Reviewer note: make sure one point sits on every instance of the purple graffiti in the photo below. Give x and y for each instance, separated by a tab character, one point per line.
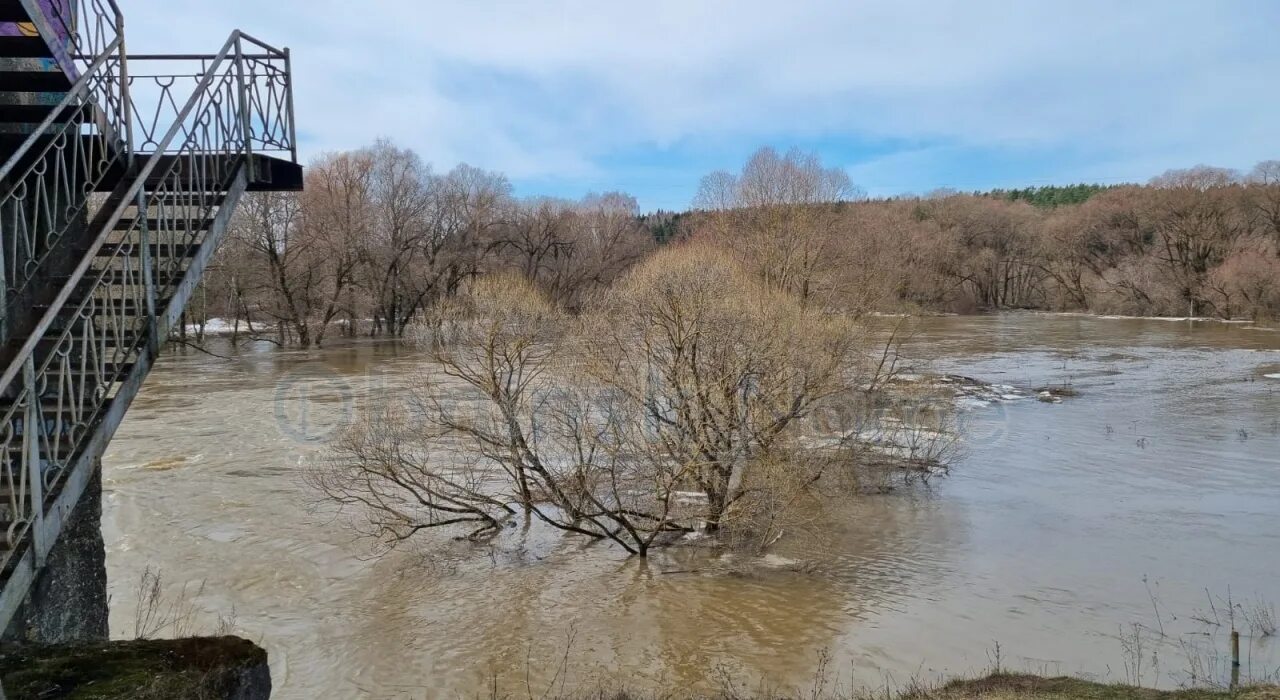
57	13
60	18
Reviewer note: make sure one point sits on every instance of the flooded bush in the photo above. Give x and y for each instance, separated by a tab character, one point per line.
690	398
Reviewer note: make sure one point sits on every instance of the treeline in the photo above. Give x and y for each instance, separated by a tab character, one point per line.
1202	241
378	237
1052	195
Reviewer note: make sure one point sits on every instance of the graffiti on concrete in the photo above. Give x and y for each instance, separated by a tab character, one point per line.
57	12
59	16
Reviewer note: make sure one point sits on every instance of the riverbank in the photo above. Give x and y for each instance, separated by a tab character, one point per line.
221	327
1004	686
232	668
203	668
1248	323
998	686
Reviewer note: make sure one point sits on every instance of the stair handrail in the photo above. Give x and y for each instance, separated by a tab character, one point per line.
270	100
94	34
31	477
52	140
138	182
88	40
71	99
65	20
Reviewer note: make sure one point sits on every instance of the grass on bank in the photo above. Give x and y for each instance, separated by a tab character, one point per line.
187	669
1003	686
998	686
212	669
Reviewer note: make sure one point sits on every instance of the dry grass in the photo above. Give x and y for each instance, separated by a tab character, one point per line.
1019	687
199	669
998	686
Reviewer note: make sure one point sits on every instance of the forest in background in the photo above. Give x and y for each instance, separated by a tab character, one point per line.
378	237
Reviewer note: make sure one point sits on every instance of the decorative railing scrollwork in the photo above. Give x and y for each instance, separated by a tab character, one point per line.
46	182
79	31
155	80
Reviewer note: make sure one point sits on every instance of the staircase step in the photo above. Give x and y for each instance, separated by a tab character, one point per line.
174	202
91	282
130	339
13	11
127	307
191	172
109	369
34	81
62	442
113	372
51	408
24	47
120	277
201	199
157	249
48	409
66	449
36	113
102	321
65	442
180	224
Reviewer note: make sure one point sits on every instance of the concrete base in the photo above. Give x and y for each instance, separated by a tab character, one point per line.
68	603
216	668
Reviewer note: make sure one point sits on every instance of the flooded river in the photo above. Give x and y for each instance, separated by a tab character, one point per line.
1137	507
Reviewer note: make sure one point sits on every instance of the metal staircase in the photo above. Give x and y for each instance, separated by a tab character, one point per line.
120	174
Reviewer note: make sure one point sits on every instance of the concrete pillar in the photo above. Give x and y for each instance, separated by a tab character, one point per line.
68	603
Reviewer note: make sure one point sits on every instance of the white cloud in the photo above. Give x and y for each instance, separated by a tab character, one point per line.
546	89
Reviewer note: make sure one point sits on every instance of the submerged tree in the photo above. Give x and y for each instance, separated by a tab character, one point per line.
675	403
721	367
502	430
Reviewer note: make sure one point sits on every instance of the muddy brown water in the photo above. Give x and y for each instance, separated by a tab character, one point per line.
1142	504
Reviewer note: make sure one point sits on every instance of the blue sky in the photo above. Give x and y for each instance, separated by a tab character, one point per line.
568	96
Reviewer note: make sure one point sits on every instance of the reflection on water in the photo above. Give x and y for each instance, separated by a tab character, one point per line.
1165	468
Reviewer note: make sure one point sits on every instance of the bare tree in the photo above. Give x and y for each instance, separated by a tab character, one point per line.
717	191
498	437
1264	190
722	368
574	249
392	252
275	276
338	215
676	400
995	254
780	215
1197	215
383	469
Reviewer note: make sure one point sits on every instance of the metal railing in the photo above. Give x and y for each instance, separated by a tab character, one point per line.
78	31
49	177
156	81
128	287
87	136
